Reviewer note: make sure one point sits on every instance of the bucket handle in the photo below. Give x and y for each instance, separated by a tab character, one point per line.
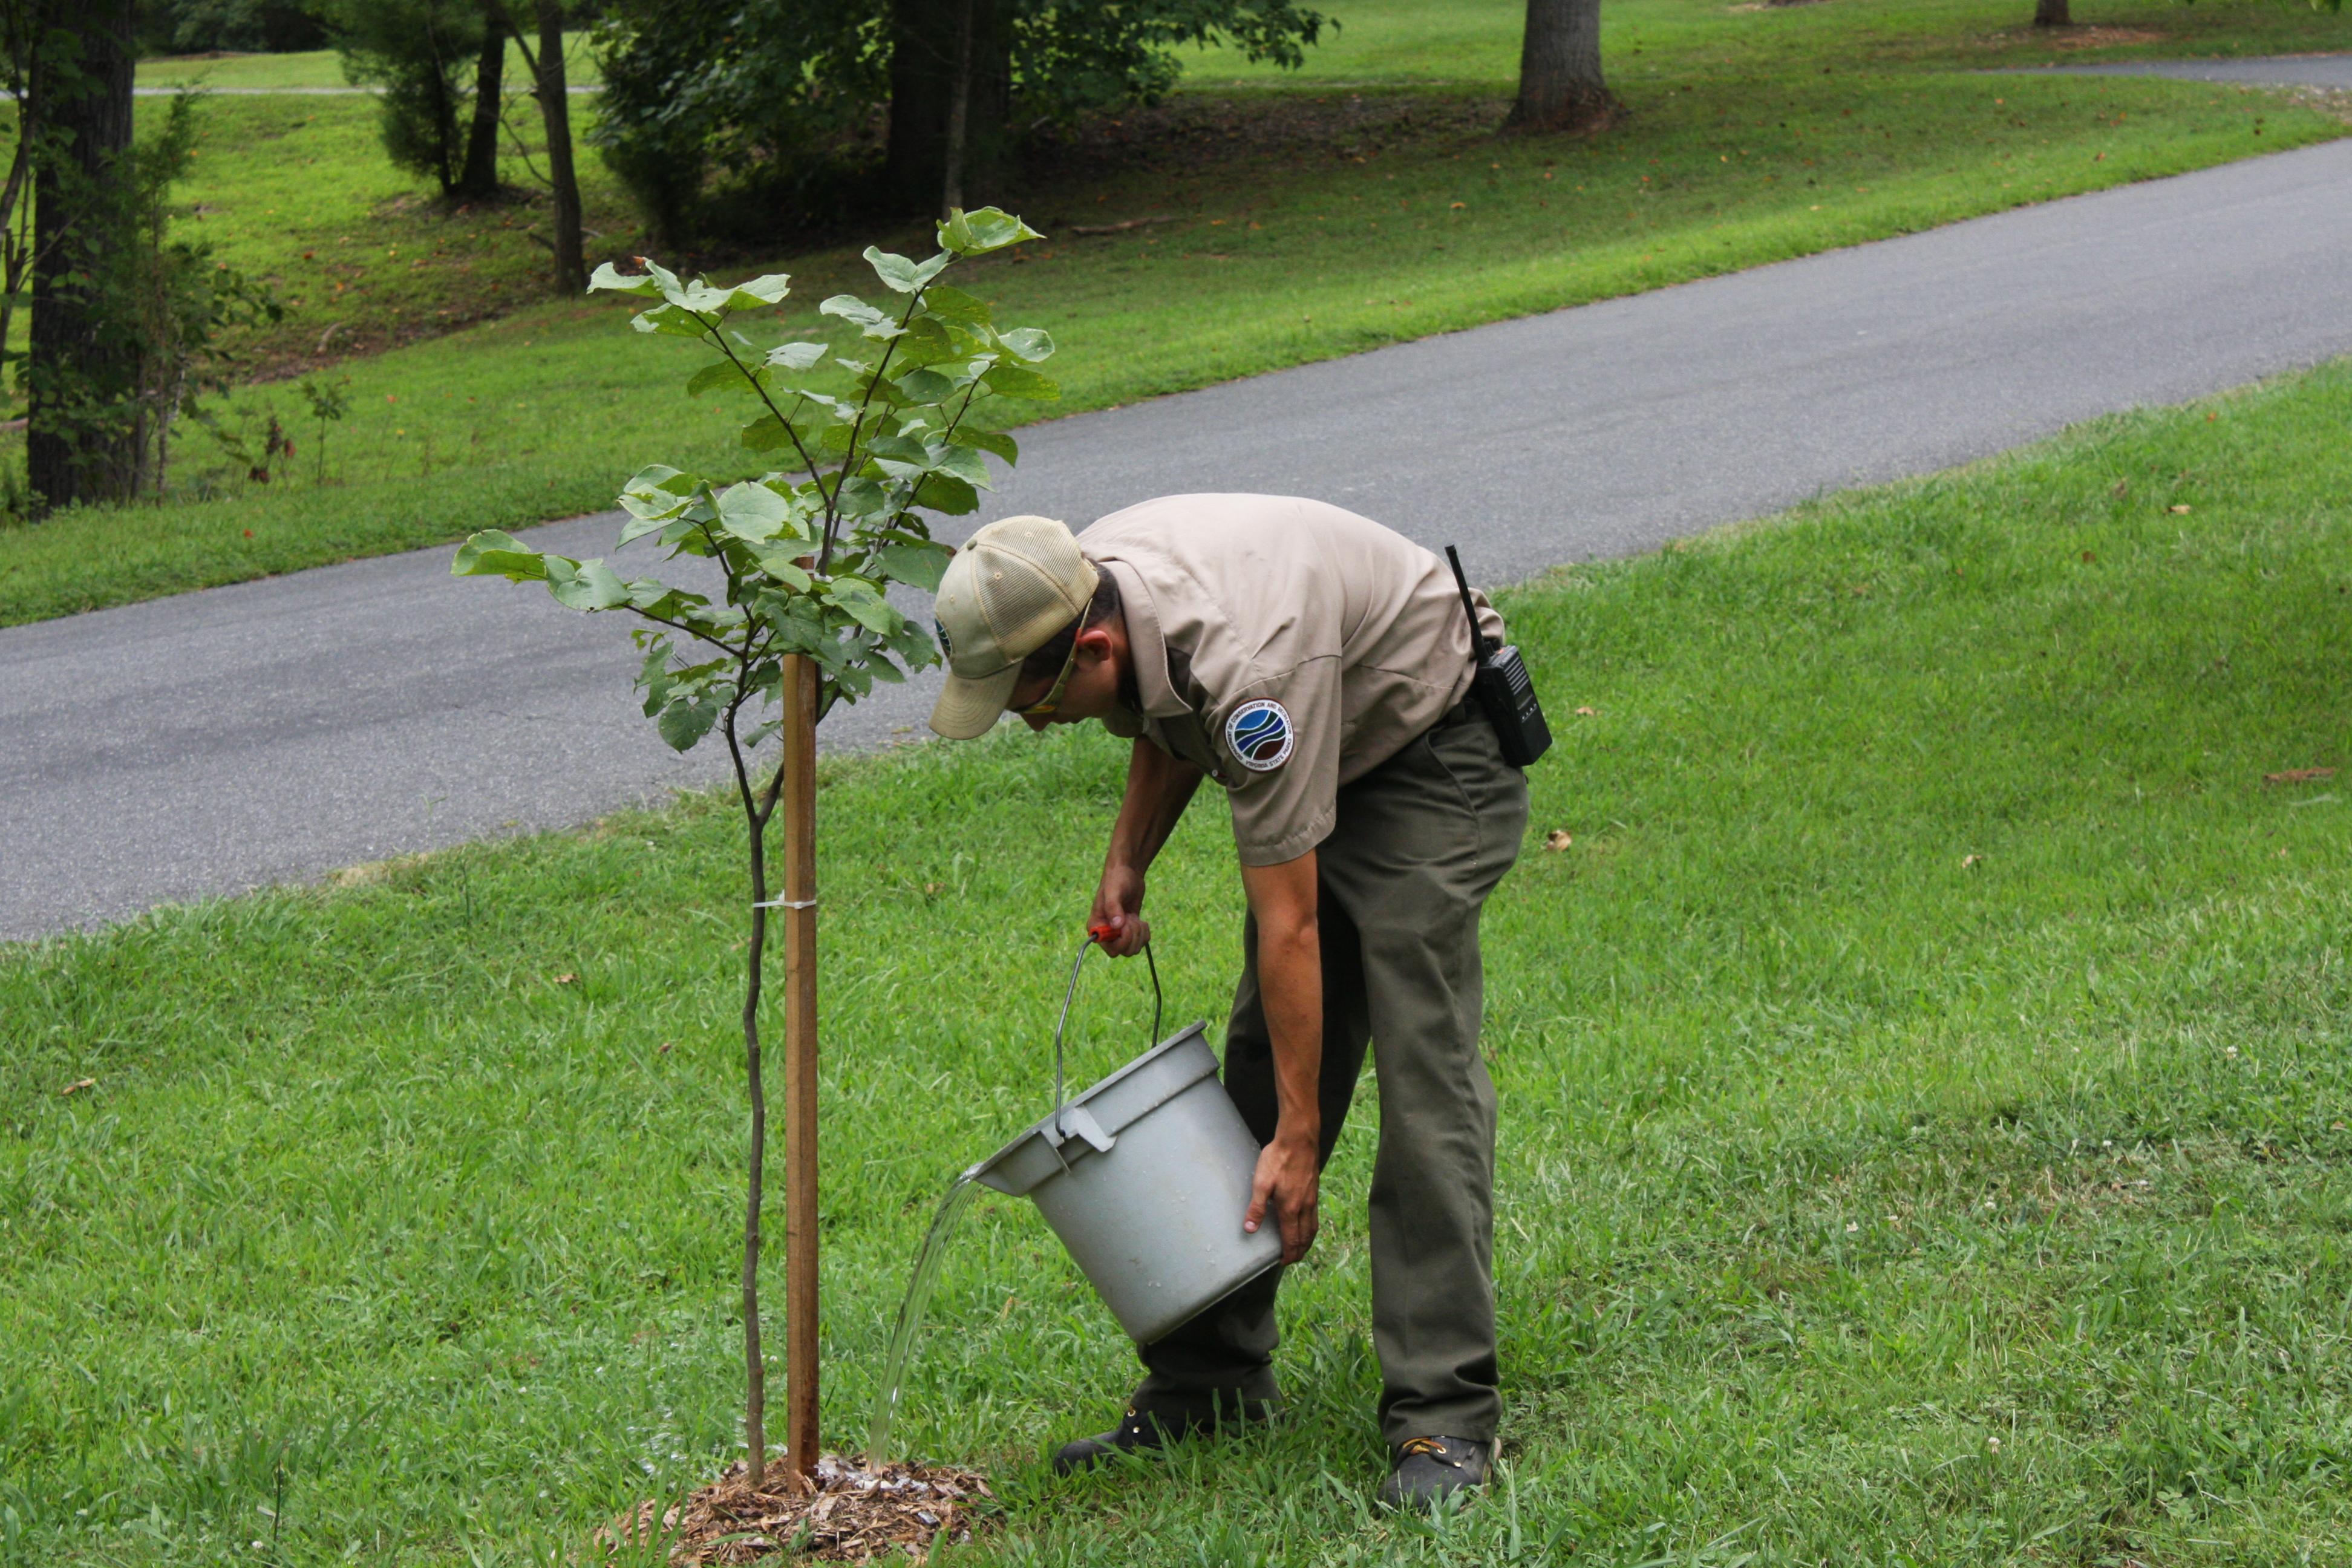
1093	937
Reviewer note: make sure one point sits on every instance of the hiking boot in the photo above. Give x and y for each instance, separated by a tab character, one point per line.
1149	1424
1428	1468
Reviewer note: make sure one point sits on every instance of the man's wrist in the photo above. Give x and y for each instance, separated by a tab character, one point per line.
1297	1131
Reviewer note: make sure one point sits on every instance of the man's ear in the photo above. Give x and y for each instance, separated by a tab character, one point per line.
1093	644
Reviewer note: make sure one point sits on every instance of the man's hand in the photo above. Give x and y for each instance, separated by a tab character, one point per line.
1285	1184
1116	919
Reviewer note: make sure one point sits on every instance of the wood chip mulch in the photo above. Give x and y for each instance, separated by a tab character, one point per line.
853	1515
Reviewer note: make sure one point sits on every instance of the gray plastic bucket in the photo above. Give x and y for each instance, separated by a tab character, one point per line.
1145	1178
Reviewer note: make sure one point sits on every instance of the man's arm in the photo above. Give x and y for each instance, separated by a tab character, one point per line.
1282	899
1158	787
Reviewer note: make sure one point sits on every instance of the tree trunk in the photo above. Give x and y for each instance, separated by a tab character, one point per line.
2052	14
81	365
478	180
951	195
1560	87
555	113
936	85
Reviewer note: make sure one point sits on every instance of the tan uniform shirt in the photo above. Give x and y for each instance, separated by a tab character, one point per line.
1284	647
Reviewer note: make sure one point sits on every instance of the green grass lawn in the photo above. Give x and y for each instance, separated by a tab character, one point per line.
1311	218
322	67
1924	1089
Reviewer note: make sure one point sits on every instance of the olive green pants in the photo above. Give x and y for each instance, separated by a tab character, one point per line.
1420	842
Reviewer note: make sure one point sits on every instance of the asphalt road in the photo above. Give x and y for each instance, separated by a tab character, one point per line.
273	730
2275	70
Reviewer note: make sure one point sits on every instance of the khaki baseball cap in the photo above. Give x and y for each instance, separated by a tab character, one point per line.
1005	596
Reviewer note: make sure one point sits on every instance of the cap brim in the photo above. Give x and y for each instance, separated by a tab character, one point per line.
969	709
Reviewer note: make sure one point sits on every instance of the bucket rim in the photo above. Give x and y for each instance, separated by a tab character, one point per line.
1037	1128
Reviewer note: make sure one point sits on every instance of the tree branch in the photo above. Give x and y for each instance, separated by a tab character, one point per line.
721	343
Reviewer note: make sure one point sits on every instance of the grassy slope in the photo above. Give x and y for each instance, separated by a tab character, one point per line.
1936	1035
1756	136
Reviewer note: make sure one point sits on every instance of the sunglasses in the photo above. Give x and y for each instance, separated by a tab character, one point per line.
1045	705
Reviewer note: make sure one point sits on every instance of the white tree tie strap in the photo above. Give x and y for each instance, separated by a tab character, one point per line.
786	904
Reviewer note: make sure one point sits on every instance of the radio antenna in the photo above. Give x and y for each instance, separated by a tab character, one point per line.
1477	637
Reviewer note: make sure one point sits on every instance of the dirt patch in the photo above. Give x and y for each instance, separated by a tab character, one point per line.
1188	130
851	1516
2073	37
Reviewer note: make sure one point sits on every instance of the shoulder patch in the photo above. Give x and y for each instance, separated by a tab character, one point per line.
1259	735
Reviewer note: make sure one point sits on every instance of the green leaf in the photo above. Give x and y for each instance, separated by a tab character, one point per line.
1031	344
964	463
1012	381
493	554
881	668
753	512
869	321
638	527
782	562
951	304
659	598
862	496
995	441
901	273
978	233
610	278
920	385
926	341
795	356
769	288
683	723
919	566
913	646
864	604
943	493
657	493
766	433
718	373
584	585
672	321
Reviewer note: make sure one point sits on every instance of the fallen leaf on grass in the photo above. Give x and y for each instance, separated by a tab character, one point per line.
567	978
1969	860
2180	508
1558	839
2088	558
1588	713
2299	775
78	1085
1125	224
2123	488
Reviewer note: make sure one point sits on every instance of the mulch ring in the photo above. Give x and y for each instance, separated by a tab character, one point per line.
853	1516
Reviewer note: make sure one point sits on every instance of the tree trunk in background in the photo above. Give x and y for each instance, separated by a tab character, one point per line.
935	84
77	364
2052	14
478	180
1560	87
555	113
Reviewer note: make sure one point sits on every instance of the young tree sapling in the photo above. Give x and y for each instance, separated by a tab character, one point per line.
808	554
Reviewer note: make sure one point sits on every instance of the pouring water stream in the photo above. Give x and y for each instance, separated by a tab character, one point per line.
915	1305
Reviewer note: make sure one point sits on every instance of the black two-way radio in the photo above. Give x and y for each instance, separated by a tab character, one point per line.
1501	687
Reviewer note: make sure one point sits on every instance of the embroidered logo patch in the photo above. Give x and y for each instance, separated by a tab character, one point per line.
1259	735
947	649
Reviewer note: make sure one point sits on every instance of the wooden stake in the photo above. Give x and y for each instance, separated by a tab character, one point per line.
799	737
